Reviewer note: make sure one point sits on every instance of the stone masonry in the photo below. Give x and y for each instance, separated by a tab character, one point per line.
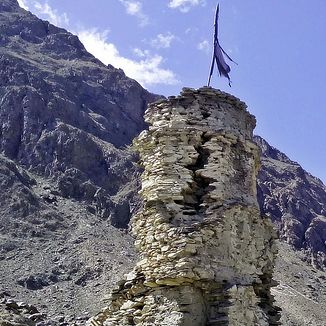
206	252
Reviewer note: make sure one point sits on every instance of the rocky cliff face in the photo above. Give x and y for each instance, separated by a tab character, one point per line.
63	113
296	202
66	176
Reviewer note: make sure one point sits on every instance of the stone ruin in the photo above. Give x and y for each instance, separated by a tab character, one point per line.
206	252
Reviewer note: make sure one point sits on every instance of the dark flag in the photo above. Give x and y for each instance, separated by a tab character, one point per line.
218	54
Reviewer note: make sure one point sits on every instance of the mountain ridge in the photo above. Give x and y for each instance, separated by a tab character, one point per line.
296	202
69	181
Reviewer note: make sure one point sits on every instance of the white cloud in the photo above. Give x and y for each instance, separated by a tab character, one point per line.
141	53
185	5
23	4
147	71
134	8
204	46
44	10
162	41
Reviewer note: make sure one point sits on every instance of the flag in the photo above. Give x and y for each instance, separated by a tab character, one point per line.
218	54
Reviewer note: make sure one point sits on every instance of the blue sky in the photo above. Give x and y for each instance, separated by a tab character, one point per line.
280	47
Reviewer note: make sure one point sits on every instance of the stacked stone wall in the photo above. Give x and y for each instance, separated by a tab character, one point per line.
206	253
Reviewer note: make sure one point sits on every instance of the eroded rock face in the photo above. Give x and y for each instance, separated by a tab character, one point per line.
65	174
63	114
206	252
295	201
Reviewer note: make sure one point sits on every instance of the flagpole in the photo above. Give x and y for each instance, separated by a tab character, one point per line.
219	55
214	40
211	70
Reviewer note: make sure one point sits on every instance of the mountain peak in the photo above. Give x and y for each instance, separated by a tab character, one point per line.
9	5
270	151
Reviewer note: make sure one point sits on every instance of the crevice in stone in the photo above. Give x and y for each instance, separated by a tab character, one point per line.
262	290
237	163
205	114
201	185
219	302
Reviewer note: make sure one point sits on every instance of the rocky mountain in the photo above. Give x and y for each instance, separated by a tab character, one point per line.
296	202
63	113
69	180
66	175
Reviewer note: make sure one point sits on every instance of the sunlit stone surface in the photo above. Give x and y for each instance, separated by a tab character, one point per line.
206	253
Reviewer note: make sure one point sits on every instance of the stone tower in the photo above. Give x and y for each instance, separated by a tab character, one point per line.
206	252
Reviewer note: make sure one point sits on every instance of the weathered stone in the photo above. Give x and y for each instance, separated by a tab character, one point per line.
207	253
